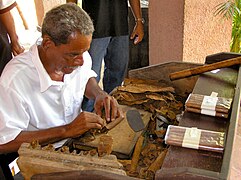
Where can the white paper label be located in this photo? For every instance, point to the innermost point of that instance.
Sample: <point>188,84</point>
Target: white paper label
<point>209,102</point>
<point>214,94</point>
<point>208,112</point>
<point>191,138</point>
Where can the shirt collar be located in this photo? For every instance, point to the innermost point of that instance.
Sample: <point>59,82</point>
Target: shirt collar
<point>44,78</point>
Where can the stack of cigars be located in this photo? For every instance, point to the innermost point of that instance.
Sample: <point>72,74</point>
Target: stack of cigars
<point>208,105</point>
<point>195,138</point>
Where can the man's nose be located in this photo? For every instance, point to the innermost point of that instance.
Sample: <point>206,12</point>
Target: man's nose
<point>78,60</point>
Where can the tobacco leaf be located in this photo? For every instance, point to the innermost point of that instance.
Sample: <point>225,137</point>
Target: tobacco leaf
<point>126,96</point>
<point>156,96</point>
<point>128,81</point>
<point>142,88</point>
<point>130,103</point>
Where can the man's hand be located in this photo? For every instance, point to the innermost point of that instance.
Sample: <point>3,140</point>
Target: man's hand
<point>9,24</point>
<point>110,105</point>
<point>84,122</point>
<point>103,101</point>
<point>17,48</point>
<point>138,32</point>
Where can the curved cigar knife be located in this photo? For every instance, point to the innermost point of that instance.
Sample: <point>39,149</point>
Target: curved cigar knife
<point>134,120</point>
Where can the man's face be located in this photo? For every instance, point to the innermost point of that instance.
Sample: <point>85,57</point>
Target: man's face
<point>64,58</point>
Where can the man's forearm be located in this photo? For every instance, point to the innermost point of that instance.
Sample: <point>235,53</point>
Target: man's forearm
<point>136,9</point>
<point>8,21</point>
<point>43,137</point>
<point>93,89</point>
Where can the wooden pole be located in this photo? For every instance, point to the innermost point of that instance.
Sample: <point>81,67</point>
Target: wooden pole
<point>205,68</point>
<point>22,17</point>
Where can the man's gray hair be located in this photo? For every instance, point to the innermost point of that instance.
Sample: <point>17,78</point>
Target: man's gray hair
<point>60,22</point>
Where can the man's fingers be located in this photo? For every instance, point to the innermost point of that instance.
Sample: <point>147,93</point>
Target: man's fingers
<point>107,109</point>
<point>114,109</point>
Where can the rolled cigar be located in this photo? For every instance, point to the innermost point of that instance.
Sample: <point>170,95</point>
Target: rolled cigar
<point>204,68</point>
<point>112,124</point>
<point>195,110</point>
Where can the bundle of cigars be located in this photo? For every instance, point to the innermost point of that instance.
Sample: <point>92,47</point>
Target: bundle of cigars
<point>195,138</point>
<point>208,105</point>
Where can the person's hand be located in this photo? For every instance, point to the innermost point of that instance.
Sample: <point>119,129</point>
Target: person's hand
<point>110,106</point>
<point>17,48</point>
<point>84,122</point>
<point>137,33</point>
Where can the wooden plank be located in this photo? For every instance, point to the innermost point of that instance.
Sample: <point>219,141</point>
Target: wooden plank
<point>38,160</point>
<point>84,174</point>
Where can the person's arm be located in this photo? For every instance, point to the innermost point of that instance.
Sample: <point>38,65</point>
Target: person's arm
<point>102,101</point>
<point>82,123</point>
<point>138,32</point>
<point>8,21</point>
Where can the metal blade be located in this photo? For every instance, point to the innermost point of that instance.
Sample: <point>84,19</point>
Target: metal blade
<point>134,120</point>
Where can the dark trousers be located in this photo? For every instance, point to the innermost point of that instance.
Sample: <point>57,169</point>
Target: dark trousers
<point>5,48</point>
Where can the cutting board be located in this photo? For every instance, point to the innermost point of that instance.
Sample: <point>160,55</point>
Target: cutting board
<point>124,138</point>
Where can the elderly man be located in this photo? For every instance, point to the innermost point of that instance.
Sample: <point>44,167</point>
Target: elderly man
<point>41,90</point>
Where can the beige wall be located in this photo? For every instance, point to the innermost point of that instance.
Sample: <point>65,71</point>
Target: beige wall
<point>42,6</point>
<point>33,11</point>
<point>186,30</point>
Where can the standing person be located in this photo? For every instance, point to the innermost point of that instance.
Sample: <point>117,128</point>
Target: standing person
<point>111,40</point>
<point>43,89</point>
<point>7,29</point>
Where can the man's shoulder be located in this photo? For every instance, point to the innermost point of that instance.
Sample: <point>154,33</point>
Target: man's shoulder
<point>6,5</point>
<point>18,66</point>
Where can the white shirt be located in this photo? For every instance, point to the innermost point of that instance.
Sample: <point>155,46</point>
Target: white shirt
<point>30,100</point>
<point>6,3</point>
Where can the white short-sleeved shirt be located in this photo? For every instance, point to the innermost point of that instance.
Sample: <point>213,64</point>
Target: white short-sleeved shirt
<point>6,3</point>
<point>30,100</point>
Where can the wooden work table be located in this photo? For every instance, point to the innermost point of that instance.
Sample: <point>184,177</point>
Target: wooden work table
<point>190,163</point>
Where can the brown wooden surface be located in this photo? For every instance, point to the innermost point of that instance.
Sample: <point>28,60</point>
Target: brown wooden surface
<point>124,138</point>
<point>223,82</point>
<point>85,174</point>
<point>33,161</point>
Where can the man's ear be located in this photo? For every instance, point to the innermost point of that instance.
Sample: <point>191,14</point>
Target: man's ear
<point>47,42</point>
